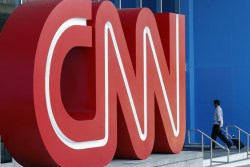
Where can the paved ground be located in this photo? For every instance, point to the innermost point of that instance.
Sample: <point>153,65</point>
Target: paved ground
<point>159,159</point>
<point>217,152</point>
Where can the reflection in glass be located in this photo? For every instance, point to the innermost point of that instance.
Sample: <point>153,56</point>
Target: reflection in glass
<point>6,8</point>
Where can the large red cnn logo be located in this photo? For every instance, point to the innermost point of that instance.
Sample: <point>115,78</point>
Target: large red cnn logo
<point>83,83</point>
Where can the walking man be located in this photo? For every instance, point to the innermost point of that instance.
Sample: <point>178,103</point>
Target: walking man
<point>218,123</point>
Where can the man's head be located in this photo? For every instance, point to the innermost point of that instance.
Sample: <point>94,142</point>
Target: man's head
<point>216,103</point>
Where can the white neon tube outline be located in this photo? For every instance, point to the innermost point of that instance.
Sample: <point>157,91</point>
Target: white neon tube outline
<point>102,142</point>
<point>148,33</point>
<point>70,143</point>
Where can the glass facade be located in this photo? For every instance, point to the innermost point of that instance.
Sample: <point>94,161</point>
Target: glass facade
<point>6,8</point>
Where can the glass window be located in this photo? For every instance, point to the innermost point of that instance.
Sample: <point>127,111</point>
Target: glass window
<point>6,8</point>
<point>171,6</point>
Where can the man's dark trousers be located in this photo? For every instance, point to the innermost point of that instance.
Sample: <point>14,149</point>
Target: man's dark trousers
<point>217,132</point>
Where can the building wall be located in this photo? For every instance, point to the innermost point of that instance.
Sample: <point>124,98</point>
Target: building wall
<point>186,8</point>
<point>221,61</point>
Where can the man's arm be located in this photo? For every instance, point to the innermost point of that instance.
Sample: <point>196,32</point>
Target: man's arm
<point>219,116</point>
